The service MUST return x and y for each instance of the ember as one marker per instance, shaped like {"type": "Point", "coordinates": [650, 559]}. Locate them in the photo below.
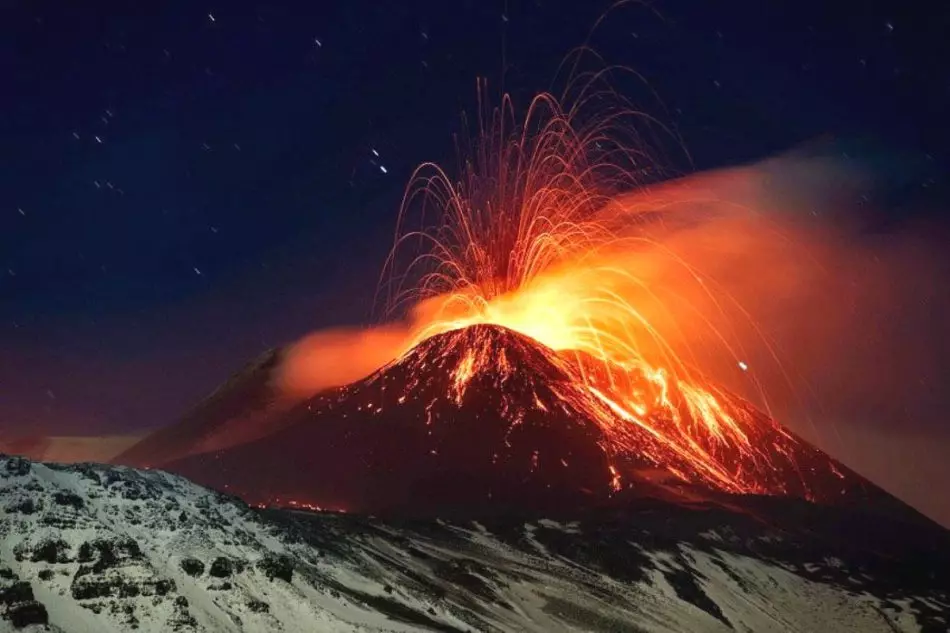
{"type": "Point", "coordinates": [532, 238]}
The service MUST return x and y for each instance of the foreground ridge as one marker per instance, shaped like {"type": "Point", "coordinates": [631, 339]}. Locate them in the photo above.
{"type": "Point", "coordinates": [97, 548]}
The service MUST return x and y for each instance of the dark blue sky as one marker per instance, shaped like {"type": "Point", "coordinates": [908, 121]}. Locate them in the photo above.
{"type": "Point", "coordinates": [186, 183]}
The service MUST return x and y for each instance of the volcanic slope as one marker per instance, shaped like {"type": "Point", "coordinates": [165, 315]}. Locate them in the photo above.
{"type": "Point", "coordinates": [474, 417]}
{"type": "Point", "coordinates": [244, 408]}
{"type": "Point", "coordinates": [98, 549]}
{"type": "Point", "coordinates": [483, 417]}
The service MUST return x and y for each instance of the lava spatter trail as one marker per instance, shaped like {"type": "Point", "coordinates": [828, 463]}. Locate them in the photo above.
{"type": "Point", "coordinates": [532, 236]}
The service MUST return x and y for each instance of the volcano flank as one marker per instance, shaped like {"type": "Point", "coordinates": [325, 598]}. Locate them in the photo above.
{"type": "Point", "coordinates": [473, 417]}
{"type": "Point", "coordinates": [485, 419]}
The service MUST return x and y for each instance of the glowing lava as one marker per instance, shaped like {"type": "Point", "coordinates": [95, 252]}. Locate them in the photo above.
{"type": "Point", "coordinates": [532, 238]}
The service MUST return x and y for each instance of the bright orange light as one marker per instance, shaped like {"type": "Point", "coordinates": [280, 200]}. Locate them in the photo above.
{"type": "Point", "coordinates": [533, 237]}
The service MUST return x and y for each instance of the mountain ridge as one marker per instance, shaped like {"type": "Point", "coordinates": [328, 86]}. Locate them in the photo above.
{"type": "Point", "coordinates": [243, 404]}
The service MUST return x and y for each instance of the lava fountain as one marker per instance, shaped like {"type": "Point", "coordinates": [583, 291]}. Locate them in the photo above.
{"type": "Point", "coordinates": [539, 234]}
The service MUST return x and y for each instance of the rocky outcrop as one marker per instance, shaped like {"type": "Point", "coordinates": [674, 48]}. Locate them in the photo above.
{"type": "Point", "coordinates": [17, 604]}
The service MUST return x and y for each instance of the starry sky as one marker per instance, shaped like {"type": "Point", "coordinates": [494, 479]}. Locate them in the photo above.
{"type": "Point", "coordinates": [187, 183]}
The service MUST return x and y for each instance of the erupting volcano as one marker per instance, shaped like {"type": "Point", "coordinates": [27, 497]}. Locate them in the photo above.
{"type": "Point", "coordinates": [535, 368]}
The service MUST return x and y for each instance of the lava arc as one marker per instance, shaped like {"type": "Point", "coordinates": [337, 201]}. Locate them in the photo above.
{"type": "Point", "coordinates": [534, 237]}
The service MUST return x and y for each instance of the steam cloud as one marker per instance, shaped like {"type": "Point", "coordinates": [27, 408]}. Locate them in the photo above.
{"type": "Point", "coordinates": [338, 356]}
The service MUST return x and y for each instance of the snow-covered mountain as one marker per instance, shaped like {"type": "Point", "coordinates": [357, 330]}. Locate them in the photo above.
{"type": "Point", "coordinates": [99, 548]}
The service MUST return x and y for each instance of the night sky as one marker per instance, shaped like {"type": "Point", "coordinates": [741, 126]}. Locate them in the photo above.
{"type": "Point", "coordinates": [184, 184]}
